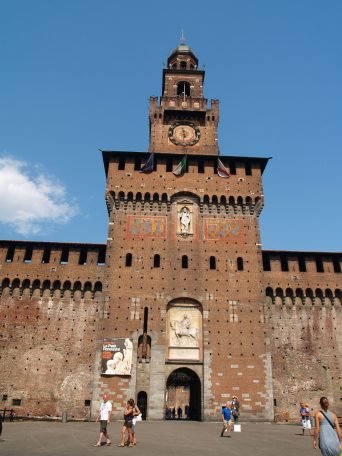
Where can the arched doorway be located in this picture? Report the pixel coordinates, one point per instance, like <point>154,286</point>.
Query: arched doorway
<point>142,403</point>
<point>183,388</point>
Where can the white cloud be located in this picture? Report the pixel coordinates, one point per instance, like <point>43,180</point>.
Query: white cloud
<point>30,203</point>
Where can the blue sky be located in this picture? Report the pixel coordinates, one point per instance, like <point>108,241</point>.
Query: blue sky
<point>76,76</point>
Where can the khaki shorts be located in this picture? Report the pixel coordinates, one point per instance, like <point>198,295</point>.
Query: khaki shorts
<point>227,423</point>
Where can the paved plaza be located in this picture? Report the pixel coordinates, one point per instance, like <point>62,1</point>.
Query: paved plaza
<point>154,438</point>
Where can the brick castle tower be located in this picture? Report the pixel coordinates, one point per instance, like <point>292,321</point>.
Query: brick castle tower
<point>184,264</point>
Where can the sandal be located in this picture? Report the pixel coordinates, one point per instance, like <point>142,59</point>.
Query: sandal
<point>121,446</point>
<point>109,443</point>
<point>97,445</point>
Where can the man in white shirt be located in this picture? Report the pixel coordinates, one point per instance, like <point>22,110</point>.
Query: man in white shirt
<point>104,417</point>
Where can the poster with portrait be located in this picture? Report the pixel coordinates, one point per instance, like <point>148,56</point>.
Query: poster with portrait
<point>117,356</point>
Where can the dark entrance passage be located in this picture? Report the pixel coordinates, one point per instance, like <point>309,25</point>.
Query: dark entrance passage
<point>142,403</point>
<point>183,395</point>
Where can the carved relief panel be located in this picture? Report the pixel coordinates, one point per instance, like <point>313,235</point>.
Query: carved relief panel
<point>184,331</point>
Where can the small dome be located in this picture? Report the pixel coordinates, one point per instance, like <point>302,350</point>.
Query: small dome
<point>183,49</point>
<point>182,52</point>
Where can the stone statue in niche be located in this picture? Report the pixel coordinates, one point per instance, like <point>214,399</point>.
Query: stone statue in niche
<point>185,220</point>
<point>184,334</point>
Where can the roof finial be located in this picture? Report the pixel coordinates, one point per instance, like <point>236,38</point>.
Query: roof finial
<point>182,38</point>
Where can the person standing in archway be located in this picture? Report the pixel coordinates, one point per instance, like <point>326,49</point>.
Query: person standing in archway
<point>187,412</point>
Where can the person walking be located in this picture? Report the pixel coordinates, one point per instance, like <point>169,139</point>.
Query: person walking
<point>327,434</point>
<point>306,418</point>
<point>227,420</point>
<point>128,424</point>
<point>136,417</point>
<point>104,417</point>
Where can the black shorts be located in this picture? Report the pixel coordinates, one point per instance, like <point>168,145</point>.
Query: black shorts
<point>128,424</point>
<point>103,426</point>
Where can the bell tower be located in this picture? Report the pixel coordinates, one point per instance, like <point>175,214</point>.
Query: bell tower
<point>181,121</point>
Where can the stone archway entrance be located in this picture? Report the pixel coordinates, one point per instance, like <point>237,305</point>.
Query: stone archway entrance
<point>142,404</point>
<point>183,388</point>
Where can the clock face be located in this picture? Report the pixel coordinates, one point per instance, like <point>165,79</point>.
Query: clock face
<point>184,134</point>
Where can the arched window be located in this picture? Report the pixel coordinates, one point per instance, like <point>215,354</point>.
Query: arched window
<point>156,261</point>
<point>212,262</point>
<point>183,89</point>
<point>128,260</point>
<point>185,262</point>
<point>239,264</point>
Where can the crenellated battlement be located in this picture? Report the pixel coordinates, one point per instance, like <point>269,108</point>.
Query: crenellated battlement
<point>51,253</point>
<point>46,289</point>
<point>215,204</point>
<point>303,297</point>
<point>301,263</point>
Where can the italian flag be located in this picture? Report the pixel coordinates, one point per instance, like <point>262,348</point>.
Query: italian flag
<point>181,168</point>
<point>222,171</point>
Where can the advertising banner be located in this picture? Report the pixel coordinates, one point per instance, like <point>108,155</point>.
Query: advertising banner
<point>117,356</point>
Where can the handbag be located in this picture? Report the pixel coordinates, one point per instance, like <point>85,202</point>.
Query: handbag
<point>138,417</point>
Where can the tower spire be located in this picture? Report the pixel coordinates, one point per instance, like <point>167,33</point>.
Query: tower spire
<point>182,40</point>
